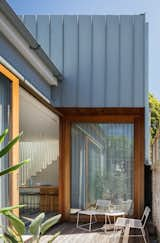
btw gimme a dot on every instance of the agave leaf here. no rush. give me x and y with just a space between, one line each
34 227
2 237
11 232
49 223
3 210
6 149
10 238
13 168
16 222
54 237
2 137
29 219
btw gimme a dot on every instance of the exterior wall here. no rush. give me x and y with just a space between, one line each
156 182
103 58
8 52
156 197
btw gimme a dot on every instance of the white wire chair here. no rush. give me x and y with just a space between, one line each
100 209
134 223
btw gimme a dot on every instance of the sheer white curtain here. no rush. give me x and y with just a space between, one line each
102 163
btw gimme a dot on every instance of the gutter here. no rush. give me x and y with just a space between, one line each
21 78
16 32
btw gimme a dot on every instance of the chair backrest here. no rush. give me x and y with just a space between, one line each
126 206
145 215
103 204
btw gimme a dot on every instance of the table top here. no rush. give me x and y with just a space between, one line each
114 213
101 212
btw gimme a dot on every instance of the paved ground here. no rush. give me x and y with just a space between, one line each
69 234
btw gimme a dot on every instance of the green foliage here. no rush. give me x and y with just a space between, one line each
49 223
13 168
16 222
154 105
37 227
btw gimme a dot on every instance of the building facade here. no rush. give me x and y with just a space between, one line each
91 72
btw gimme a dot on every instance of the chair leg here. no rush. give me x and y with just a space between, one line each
143 234
90 223
77 220
95 218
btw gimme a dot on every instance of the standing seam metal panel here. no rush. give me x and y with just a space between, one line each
102 59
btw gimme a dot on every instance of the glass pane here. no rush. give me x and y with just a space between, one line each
40 143
102 164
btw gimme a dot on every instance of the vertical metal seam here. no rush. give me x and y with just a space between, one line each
133 62
49 37
144 86
61 86
119 53
91 69
36 27
77 74
106 66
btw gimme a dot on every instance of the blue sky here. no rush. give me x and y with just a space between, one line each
150 7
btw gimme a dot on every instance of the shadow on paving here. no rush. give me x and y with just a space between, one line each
70 234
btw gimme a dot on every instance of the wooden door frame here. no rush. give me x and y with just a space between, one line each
14 126
104 115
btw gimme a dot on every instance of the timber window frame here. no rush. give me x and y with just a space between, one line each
110 115
14 156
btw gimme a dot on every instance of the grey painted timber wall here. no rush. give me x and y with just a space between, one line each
103 58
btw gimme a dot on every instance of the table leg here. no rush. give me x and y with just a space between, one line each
90 223
105 225
77 220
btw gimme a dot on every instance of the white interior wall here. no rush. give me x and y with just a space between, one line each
39 143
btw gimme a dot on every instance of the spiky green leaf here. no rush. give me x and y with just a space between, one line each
3 210
13 234
6 149
2 137
13 168
16 222
54 237
10 238
35 226
49 223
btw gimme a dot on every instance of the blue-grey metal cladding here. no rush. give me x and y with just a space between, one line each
102 58
14 58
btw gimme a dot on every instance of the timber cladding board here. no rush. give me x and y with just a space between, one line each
132 115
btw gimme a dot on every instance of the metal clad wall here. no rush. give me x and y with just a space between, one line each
69 91
126 61
98 78
11 55
139 62
112 66
43 32
102 58
84 77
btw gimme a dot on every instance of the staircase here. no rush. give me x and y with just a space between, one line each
42 155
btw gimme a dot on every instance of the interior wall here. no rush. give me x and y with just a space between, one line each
39 143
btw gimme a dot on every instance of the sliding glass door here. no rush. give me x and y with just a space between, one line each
102 164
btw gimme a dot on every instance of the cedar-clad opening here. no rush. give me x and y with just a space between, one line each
87 140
